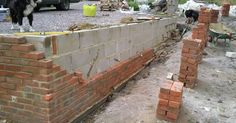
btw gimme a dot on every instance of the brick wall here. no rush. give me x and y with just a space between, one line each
36 90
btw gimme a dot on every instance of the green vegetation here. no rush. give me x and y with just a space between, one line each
134 5
218 2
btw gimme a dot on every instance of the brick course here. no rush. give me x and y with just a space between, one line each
35 90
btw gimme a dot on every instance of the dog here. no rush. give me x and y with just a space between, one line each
191 15
20 9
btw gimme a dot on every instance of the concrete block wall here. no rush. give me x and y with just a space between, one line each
78 50
42 79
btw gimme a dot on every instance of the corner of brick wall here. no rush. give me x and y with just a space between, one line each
34 90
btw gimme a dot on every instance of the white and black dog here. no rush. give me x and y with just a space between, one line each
191 15
20 9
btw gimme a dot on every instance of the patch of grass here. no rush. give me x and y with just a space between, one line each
134 4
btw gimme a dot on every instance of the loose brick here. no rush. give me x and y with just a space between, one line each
162 107
174 104
172 116
166 86
163 102
175 98
176 89
161 112
164 96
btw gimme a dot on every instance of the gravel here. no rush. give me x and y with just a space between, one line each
49 19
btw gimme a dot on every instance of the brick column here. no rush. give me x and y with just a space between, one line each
225 9
191 53
170 100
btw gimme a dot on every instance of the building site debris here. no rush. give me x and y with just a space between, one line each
230 54
127 20
81 26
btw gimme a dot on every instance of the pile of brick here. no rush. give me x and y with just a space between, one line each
170 100
225 9
191 53
214 15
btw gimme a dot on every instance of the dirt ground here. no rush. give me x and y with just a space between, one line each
213 100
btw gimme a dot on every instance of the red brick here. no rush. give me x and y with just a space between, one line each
176 89
60 73
166 86
36 55
12 68
164 96
185 50
74 79
23 75
193 61
48 97
45 63
54 45
162 107
175 98
171 115
41 90
23 47
8 86
174 104
12 39
163 102
161 112
45 78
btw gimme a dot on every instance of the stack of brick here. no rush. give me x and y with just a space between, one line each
170 99
225 9
204 16
214 15
200 32
191 53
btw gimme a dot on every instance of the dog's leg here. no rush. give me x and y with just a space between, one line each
14 20
20 22
30 18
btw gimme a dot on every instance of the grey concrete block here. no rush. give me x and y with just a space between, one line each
98 50
67 43
110 48
102 65
87 38
124 55
81 57
65 61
